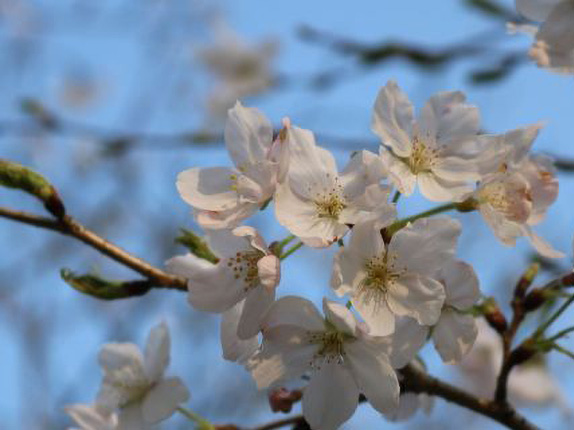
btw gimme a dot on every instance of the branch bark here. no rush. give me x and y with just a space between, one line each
70 227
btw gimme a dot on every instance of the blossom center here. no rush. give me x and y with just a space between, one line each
244 266
422 157
331 346
330 202
381 273
508 202
129 383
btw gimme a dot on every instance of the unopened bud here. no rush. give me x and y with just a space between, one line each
536 298
14 175
281 399
494 315
524 353
568 280
526 280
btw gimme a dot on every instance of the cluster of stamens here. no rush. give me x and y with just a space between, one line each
331 347
244 265
381 274
330 202
509 202
422 157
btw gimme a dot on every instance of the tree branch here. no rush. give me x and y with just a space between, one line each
417 381
70 227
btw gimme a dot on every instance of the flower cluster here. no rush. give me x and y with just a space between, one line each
401 278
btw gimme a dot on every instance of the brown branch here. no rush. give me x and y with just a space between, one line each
417 381
70 227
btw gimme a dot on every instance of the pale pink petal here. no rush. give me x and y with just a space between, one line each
269 271
393 118
454 335
437 189
376 313
156 358
248 135
131 418
460 284
208 188
341 317
408 339
418 297
235 349
331 397
296 311
114 356
163 399
257 302
374 376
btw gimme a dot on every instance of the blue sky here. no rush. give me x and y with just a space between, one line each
120 53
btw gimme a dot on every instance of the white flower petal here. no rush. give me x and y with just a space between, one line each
163 399
215 290
208 188
454 335
235 349
393 117
131 418
418 297
446 116
257 302
156 358
408 406
460 283
426 244
248 135
296 311
399 173
89 417
341 317
331 397
374 375
541 246
187 265
437 189
377 315
227 219
117 355
269 270
408 339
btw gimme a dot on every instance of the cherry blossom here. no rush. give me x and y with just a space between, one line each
242 70
517 196
553 46
222 197
438 151
399 278
135 385
343 360
318 204
247 270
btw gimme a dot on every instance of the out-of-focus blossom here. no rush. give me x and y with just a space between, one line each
242 70
135 385
223 197
553 46
529 384
317 203
342 359
438 151
92 417
247 271
517 195
399 278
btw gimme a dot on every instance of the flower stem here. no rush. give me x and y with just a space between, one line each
561 333
540 330
399 224
563 351
291 250
201 422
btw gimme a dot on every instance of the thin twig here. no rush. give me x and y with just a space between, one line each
281 423
70 227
